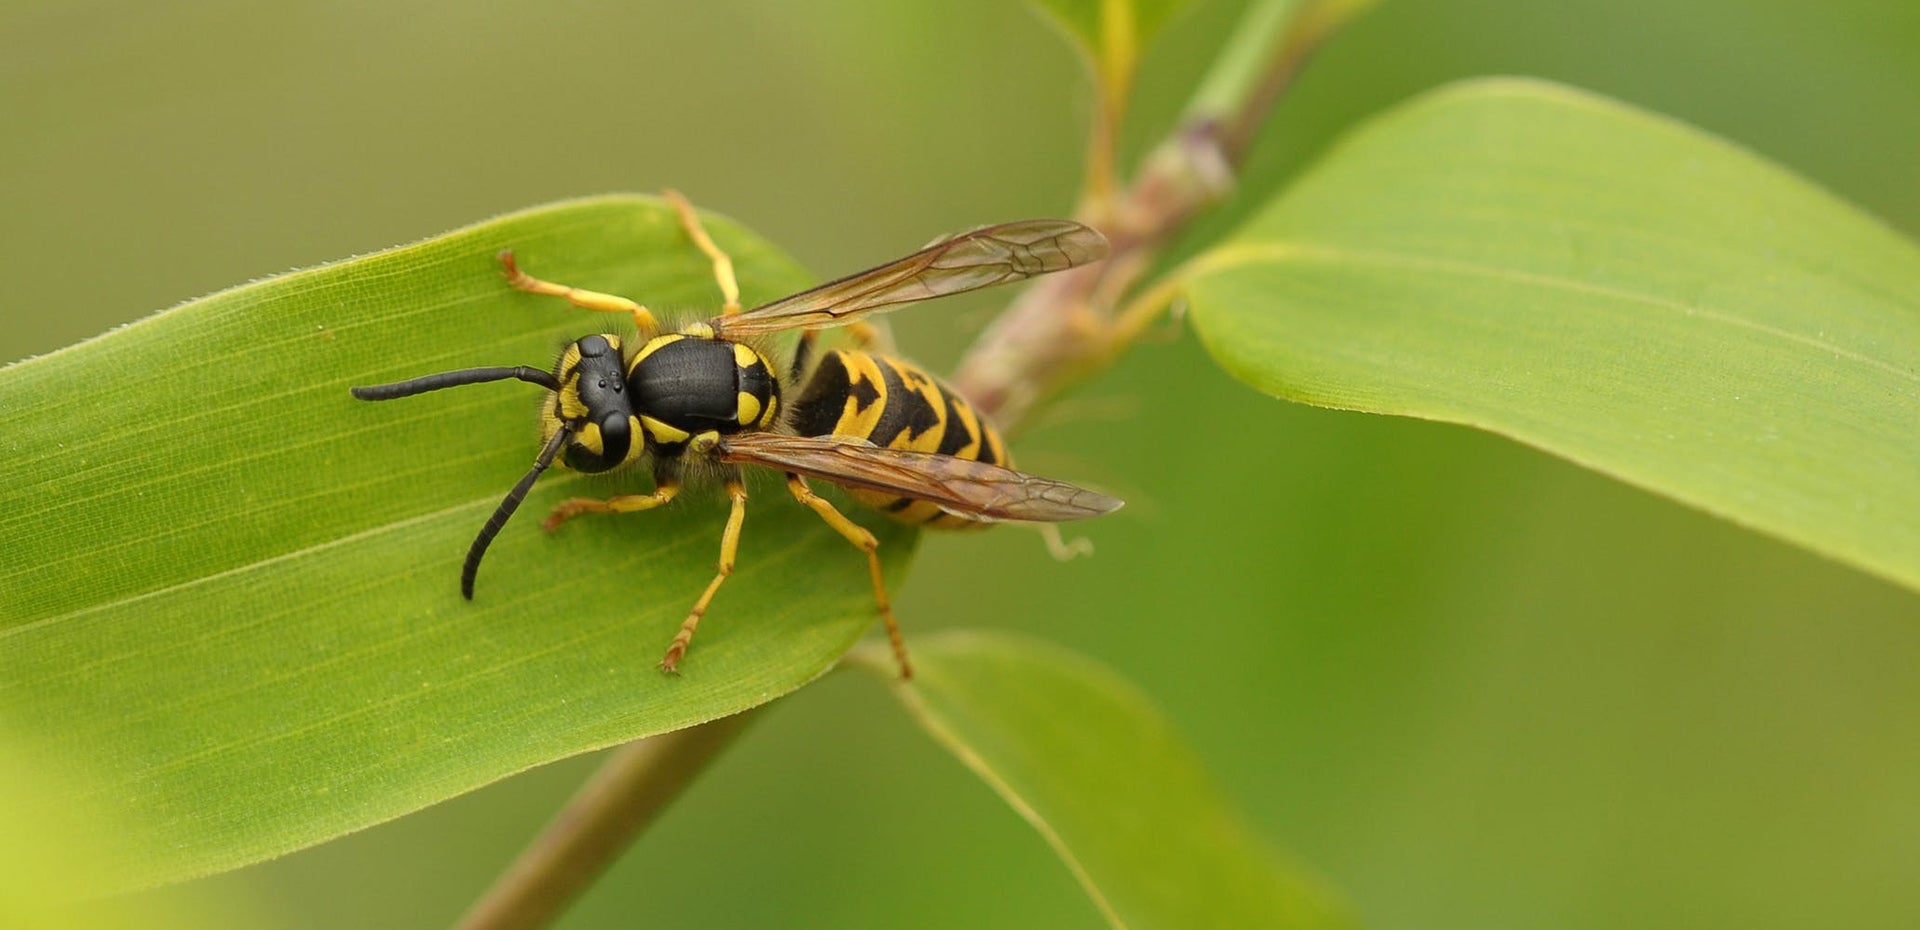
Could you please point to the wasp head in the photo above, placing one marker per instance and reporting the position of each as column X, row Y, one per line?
column 593, row 403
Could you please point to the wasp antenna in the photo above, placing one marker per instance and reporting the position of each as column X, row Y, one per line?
column 447, row 379
column 504, row 512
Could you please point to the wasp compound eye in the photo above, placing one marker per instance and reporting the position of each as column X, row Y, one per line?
column 599, row 446
column 616, row 435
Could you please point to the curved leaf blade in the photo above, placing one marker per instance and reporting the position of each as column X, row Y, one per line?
column 1607, row 285
column 233, row 590
column 1086, row 758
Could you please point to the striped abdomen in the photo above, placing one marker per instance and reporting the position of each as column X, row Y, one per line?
column 896, row 405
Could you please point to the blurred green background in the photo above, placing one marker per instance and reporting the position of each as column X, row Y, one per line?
column 1473, row 685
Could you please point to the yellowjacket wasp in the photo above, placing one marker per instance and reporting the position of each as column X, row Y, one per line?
column 894, row 436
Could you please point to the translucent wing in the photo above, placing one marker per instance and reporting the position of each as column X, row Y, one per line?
column 982, row 258
column 961, row 486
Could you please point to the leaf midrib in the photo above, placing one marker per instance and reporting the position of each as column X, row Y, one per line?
column 322, row 546
column 1232, row 256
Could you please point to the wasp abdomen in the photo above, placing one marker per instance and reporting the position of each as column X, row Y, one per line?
column 895, row 405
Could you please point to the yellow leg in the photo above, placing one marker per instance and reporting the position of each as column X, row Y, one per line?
column 584, row 299
column 1059, row 547
column 624, row 503
column 858, row 535
column 722, row 265
column 729, row 546
column 864, row 335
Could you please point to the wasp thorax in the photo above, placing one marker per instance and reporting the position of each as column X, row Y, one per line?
column 593, row 402
column 684, row 384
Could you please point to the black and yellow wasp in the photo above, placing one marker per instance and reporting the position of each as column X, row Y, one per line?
column 894, row 436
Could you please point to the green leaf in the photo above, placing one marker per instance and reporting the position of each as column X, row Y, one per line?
column 1084, row 757
column 1610, row 286
column 232, row 590
column 1111, row 34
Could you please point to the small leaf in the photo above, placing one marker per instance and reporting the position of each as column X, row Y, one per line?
column 1607, row 285
column 1085, row 758
column 232, row 589
column 1112, row 34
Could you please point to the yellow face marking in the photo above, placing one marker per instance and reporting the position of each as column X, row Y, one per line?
column 661, row 432
column 571, row 407
column 744, row 356
column 697, row 330
column 749, row 408
column 589, row 436
column 654, row 345
column 550, row 424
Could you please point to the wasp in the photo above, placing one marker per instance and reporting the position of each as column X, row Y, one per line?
column 708, row 398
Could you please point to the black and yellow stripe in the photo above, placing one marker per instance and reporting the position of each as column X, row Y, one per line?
column 895, row 405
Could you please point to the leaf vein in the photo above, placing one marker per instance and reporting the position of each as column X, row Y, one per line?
column 1232, row 256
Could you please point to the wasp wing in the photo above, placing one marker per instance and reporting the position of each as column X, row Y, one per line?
column 960, row 486
column 969, row 261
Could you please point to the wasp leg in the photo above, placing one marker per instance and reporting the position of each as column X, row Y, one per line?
column 858, row 535
column 1062, row 549
column 729, row 546
column 623, row 503
column 584, row 299
column 865, row 335
column 722, row 265
column 802, row 356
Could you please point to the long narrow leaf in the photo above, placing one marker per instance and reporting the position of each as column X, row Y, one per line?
column 1105, row 778
column 1610, row 286
column 231, row 590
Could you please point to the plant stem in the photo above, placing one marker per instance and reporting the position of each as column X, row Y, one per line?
column 630, row 789
column 1066, row 326
column 1055, row 333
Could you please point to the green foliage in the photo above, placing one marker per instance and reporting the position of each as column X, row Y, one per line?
column 1561, row 705
column 1106, row 779
column 226, row 591
column 229, row 591
column 1265, row 32
column 1610, row 286
column 1112, row 34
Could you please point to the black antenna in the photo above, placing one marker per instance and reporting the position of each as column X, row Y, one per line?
column 508, row 504
column 447, row 379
